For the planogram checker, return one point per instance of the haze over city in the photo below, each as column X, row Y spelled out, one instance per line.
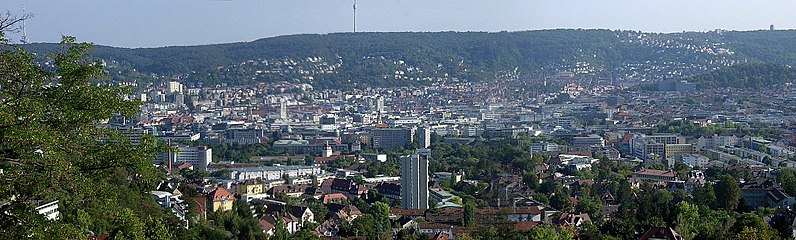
column 190, row 22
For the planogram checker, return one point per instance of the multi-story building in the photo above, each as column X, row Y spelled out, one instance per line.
column 652, row 148
column 414, row 180
column 175, row 87
column 249, row 187
column 588, row 142
column 693, row 160
column 221, row 200
column 541, row 147
column 765, row 193
column 49, row 209
column 717, row 142
column 391, row 138
column 273, row 172
column 244, row 135
column 424, row 137
column 171, row 202
column 199, row 157
column 283, row 110
column 672, row 150
column 304, row 147
column 135, row 133
column 652, row 175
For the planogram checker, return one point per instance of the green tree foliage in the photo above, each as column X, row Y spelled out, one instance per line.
column 590, row 205
column 787, row 178
column 374, row 224
column 280, row 230
column 686, row 222
column 753, row 75
column 530, row 180
column 53, row 149
column 381, row 214
column 728, row 193
column 370, row 59
column 561, row 201
column 545, row 232
column 750, row 233
column 469, row 214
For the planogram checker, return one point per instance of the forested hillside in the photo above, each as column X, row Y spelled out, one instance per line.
column 746, row 76
column 347, row 60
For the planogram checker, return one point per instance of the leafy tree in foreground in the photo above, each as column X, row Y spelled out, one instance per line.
column 53, row 149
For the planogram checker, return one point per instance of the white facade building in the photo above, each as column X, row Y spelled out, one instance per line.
column 199, row 157
column 274, row 172
column 414, row 180
column 49, row 210
column 175, row 87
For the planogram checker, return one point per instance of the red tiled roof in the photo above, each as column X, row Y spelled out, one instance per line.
column 333, row 196
column 442, row 236
column 324, row 160
column 524, row 226
column 266, row 224
column 201, row 203
column 221, row 194
column 407, row 212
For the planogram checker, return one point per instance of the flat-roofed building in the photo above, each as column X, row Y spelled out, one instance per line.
column 651, row 175
column 414, row 181
column 391, row 138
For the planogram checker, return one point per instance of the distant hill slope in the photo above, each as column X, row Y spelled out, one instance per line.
column 746, row 76
column 346, row 60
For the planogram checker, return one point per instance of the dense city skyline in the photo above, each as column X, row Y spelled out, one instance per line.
column 153, row 24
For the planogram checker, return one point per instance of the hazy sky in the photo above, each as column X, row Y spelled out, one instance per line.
column 151, row 23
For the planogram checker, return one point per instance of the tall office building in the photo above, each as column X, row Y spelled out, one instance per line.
column 414, row 180
column 391, row 138
column 424, row 137
column 199, row 157
column 175, row 87
column 380, row 104
column 283, row 110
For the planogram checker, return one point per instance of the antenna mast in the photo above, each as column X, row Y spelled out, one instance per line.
column 355, row 16
column 24, row 38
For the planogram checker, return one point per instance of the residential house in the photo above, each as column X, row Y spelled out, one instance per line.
column 432, row 229
column 765, row 192
column 338, row 198
column 291, row 190
column 660, row 233
column 391, row 191
column 221, row 198
column 249, row 187
column 572, row 220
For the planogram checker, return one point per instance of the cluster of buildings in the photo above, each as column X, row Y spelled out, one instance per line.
column 308, row 131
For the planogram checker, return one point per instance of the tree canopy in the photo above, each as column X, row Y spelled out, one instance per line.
column 53, row 149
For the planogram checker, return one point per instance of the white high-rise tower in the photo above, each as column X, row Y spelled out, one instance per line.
column 424, row 137
column 24, row 38
column 283, row 110
column 355, row 16
column 414, row 180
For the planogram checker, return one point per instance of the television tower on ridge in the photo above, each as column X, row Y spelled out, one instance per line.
column 24, row 38
column 355, row 16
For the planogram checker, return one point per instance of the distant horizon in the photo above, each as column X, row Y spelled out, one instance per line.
column 151, row 23
column 332, row 33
